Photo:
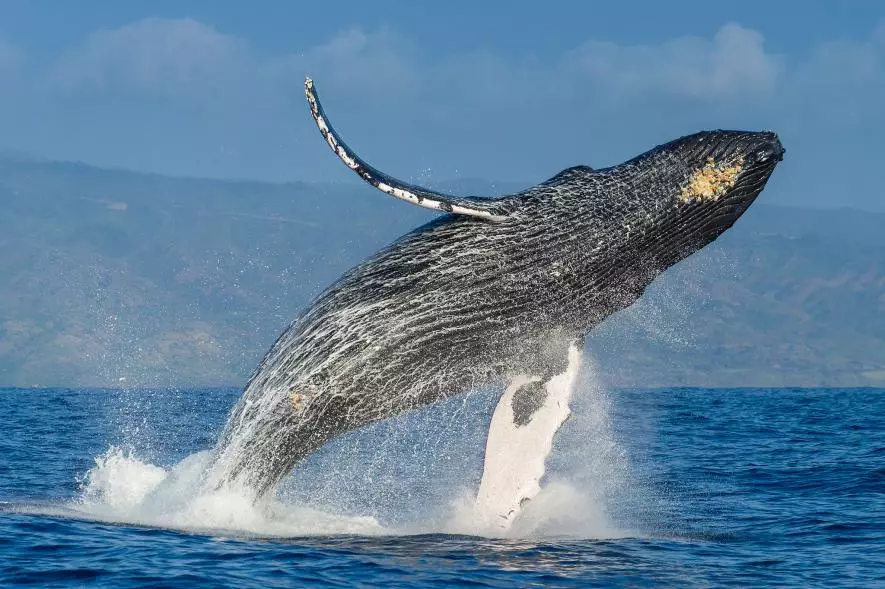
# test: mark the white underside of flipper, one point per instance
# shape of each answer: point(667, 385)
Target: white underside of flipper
point(515, 455)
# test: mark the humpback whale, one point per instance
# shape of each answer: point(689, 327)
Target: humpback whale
point(495, 290)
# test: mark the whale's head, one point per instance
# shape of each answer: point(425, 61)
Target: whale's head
point(711, 174)
point(680, 196)
point(620, 227)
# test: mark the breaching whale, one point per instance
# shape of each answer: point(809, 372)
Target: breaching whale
point(497, 290)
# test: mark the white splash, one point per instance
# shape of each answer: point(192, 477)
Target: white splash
point(120, 488)
point(516, 456)
point(560, 509)
point(119, 481)
point(584, 473)
point(575, 481)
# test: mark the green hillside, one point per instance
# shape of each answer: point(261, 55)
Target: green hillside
point(113, 277)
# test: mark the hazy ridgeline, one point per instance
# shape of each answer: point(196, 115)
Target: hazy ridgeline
point(113, 277)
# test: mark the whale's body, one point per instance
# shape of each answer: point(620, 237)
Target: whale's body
point(501, 287)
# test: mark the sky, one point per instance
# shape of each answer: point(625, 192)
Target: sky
point(504, 91)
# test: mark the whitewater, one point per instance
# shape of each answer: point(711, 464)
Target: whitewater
point(123, 487)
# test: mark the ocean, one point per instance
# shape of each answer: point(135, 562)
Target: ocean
point(671, 487)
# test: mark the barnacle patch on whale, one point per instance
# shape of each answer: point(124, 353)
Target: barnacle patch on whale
point(711, 181)
point(296, 398)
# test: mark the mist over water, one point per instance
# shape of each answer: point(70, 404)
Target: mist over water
point(414, 474)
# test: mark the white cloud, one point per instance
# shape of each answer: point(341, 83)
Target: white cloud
point(731, 66)
point(374, 62)
point(841, 83)
point(187, 58)
point(837, 62)
point(155, 56)
point(225, 109)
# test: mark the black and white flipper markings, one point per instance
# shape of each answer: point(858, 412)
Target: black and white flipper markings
point(521, 433)
point(487, 209)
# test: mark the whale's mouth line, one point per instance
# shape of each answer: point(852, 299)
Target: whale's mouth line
point(750, 182)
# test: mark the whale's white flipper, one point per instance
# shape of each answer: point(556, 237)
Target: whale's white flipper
point(520, 439)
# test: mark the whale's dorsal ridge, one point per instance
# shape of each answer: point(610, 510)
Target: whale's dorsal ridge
point(487, 209)
point(568, 175)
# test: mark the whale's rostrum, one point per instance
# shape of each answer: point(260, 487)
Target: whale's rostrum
point(496, 290)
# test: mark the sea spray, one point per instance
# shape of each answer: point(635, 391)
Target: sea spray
point(119, 482)
point(416, 473)
point(120, 488)
point(587, 474)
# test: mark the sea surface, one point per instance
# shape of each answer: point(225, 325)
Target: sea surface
point(673, 487)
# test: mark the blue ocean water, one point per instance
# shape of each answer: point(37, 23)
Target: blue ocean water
point(684, 487)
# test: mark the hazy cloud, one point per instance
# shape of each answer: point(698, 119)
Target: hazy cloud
point(178, 96)
point(373, 62)
point(842, 82)
point(187, 57)
point(838, 62)
point(156, 56)
point(730, 66)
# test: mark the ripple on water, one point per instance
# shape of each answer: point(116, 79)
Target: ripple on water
point(687, 487)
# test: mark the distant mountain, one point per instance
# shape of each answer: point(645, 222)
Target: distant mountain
point(113, 277)
point(789, 297)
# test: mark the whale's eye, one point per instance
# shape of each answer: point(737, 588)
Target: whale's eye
point(711, 181)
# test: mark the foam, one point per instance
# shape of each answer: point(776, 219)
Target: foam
point(120, 488)
point(585, 472)
point(560, 510)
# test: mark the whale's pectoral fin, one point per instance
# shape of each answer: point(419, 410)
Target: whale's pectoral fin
point(520, 438)
point(488, 209)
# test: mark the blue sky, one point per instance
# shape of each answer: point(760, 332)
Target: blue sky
point(504, 91)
